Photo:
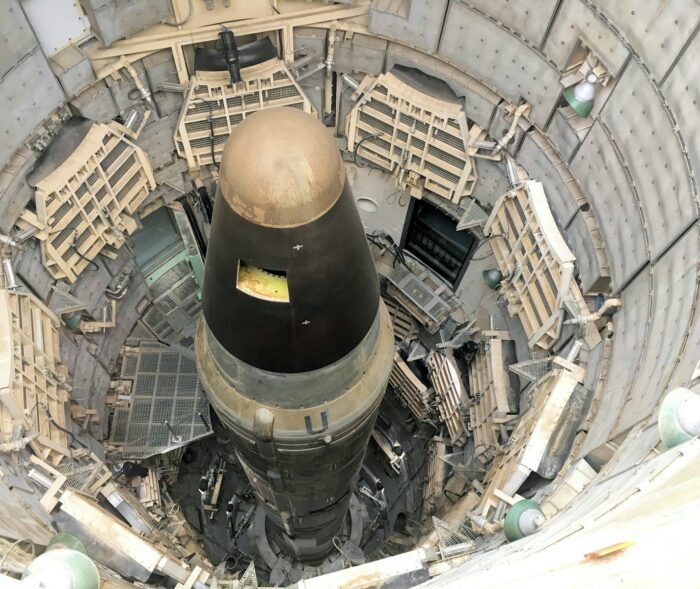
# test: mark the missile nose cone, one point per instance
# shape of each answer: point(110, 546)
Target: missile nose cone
point(289, 285)
point(281, 168)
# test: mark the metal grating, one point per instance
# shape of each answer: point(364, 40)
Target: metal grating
point(129, 364)
point(411, 391)
point(405, 328)
point(493, 412)
point(473, 218)
point(176, 306)
point(537, 265)
point(62, 301)
point(213, 107)
point(249, 579)
point(86, 475)
point(34, 391)
point(449, 536)
point(421, 294)
point(167, 383)
point(149, 362)
point(170, 279)
point(87, 202)
point(165, 389)
point(532, 370)
point(144, 385)
point(120, 423)
point(427, 143)
point(449, 395)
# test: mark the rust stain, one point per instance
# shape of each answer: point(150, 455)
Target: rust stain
point(363, 581)
point(261, 284)
point(608, 552)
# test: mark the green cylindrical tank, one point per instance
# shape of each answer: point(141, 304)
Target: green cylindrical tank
point(679, 417)
point(523, 518)
point(64, 565)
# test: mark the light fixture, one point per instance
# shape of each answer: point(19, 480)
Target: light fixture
point(581, 96)
point(492, 278)
point(8, 270)
point(679, 417)
point(72, 320)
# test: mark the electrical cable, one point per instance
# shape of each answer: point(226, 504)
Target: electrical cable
point(479, 259)
point(211, 136)
point(339, 548)
point(272, 5)
point(375, 239)
point(88, 260)
point(12, 546)
point(392, 198)
point(81, 256)
point(447, 494)
point(482, 242)
point(182, 22)
point(357, 147)
point(53, 422)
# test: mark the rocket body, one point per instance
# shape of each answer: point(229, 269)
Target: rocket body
point(294, 346)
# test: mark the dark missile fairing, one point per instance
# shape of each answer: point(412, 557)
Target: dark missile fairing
point(295, 346)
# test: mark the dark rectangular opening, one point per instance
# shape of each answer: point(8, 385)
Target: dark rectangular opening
point(433, 238)
point(262, 283)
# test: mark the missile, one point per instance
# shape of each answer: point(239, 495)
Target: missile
point(295, 345)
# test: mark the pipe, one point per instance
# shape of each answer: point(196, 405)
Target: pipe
point(230, 49)
point(5, 240)
point(607, 305)
point(519, 111)
point(328, 83)
point(16, 445)
point(171, 87)
point(130, 122)
point(145, 92)
point(350, 81)
point(512, 172)
point(119, 286)
point(9, 271)
point(23, 236)
point(574, 351)
point(302, 62)
point(481, 522)
point(199, 238)
point(204, 198)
